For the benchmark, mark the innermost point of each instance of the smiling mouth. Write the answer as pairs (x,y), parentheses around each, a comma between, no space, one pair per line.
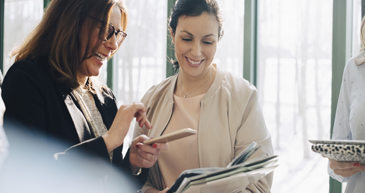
(100,56)
(194,62)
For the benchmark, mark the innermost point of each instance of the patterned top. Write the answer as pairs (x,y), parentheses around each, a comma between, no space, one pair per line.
(91,113)
(349,122)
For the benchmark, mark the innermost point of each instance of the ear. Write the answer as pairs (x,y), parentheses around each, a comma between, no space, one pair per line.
(172,36)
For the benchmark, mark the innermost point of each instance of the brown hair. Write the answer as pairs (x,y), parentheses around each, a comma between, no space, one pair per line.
(57,38)
(194,8)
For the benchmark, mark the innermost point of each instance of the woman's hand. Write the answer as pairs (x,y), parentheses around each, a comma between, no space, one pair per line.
(119,129)
(152,190)
(345,169)
(144,156)
(164,190)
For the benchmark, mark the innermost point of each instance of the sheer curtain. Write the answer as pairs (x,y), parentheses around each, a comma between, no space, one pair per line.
(141,60)
(20,18)
(229,55)
(294,83)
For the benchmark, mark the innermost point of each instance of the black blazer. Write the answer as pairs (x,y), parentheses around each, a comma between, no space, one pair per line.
(47,111)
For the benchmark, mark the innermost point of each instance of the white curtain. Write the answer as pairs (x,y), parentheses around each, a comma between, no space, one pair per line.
(141,60)
(229,55)
(20,18)
(294,82)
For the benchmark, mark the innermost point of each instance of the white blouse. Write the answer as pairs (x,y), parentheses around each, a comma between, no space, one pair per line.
(4,145)
(350,117)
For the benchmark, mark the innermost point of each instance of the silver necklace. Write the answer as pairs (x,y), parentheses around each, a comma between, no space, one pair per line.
(196,88)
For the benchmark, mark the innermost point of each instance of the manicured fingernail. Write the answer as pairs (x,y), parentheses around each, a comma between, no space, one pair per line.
(356,164)
(154,145)
(137,146)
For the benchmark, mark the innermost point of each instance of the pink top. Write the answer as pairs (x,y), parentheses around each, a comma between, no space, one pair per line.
(182,153)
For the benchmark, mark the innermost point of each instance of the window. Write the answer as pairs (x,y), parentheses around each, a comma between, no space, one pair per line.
(20,19)
(141,60)
(229,55)
(294,84)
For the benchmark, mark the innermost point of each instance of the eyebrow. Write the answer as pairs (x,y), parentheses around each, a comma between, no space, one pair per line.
(193,35)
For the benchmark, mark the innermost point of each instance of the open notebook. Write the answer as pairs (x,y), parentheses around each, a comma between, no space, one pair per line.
(236,176)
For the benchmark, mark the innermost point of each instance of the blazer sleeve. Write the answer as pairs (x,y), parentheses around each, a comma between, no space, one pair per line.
(25,92)
(253,128)
(23,95)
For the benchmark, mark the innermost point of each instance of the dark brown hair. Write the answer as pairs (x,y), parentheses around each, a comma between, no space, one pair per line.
(57,38)
(194,8)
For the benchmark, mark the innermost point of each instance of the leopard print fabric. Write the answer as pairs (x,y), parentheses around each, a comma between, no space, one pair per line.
(341,152)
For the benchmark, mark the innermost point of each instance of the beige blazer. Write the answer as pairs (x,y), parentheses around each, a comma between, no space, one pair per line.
(230,119)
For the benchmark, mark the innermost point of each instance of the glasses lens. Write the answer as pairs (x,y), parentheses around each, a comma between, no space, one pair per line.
(120,37)
(110,32)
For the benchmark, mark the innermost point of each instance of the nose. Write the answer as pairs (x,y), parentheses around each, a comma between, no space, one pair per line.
(112,43)
(196,50)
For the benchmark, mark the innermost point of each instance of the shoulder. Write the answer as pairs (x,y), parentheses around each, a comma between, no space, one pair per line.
(237,91)
(26,72)
(237,85)
(26,65)
(355,67)
(28,69)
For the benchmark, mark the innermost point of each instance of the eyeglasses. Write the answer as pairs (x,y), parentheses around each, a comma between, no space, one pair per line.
(120,35)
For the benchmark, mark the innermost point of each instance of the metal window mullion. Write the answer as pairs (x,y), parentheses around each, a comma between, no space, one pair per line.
(341,52)
(45,3)
(109,73)
(362,8)
(169,46)
(250,41)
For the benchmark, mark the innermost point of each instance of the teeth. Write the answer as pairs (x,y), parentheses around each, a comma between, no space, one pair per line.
(194,62)
(100,56)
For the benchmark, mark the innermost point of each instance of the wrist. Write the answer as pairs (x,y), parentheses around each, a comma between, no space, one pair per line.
(136,171)
(108,140)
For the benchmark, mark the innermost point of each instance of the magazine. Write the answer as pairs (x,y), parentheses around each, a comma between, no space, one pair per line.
(236,176)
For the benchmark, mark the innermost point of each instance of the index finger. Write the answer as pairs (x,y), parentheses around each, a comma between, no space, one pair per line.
(139,107)
(342,165)
(161,146)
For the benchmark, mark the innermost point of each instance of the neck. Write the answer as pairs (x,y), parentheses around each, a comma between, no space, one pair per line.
(82,80)
(189,86)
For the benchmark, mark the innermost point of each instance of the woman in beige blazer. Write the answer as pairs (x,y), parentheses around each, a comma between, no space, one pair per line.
(224,109)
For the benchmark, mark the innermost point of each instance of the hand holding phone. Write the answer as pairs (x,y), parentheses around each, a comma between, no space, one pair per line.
(171,136)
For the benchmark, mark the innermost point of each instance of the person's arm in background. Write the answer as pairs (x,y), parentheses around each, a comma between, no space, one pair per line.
(341,171)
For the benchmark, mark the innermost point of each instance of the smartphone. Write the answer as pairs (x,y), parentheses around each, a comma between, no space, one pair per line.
(171,136)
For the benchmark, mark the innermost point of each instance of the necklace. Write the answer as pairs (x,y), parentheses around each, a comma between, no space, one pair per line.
(196,88)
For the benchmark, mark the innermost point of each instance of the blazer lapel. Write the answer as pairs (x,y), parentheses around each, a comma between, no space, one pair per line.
(105,102)
(80,123)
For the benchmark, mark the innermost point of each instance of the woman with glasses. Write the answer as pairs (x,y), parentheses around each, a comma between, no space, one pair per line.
(224,109)
(53,89)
